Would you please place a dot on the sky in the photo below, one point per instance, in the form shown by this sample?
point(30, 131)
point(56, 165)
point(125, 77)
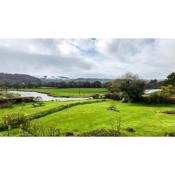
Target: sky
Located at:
point(88, 58)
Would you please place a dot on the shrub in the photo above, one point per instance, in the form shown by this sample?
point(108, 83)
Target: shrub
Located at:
point(14, 119)
point(130, 129)
point(38, 129)
point(156, 98)
point(167, 91)
point(6, 105)
point(170, 134)
point(114, 96)
point(38, 102)
point(96, 96)
point(69, 134)
point(101, 133)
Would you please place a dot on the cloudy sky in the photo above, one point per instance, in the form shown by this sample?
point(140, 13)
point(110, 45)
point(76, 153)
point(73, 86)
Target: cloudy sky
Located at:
point(101, 58)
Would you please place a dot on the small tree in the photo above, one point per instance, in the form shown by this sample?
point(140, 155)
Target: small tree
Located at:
point(118, 116)
point(38, 102)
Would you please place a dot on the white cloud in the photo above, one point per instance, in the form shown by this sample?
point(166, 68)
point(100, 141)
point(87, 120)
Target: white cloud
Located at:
point(108, 58)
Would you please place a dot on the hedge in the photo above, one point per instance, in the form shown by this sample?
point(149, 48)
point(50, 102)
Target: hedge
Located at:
point(4, 127)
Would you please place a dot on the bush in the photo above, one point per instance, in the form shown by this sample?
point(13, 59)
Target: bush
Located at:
point(156, 98)
point(68, 134)
point(96, 96)
point(6, 105)
point(38, 129)
point(101, 133)
point(130, 129)
point(38, 102)
point(14, 119)
point(114, 96)
point(170, 134)
point(17, 100)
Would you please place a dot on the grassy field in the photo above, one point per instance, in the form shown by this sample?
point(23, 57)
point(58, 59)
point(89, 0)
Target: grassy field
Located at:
point(69, 92)
point(28, 109)
point(146, 120)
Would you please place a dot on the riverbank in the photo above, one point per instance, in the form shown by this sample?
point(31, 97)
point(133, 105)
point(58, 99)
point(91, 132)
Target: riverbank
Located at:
point(68, 92)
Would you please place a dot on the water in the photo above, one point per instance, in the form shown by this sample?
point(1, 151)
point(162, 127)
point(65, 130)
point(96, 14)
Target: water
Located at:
point(150, 91)
point(45, 97)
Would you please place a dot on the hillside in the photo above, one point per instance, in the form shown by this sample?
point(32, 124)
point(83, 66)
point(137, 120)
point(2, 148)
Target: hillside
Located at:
point(17, 78)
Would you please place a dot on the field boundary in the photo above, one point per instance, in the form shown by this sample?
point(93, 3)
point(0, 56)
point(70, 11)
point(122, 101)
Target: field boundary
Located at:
point(4, 127)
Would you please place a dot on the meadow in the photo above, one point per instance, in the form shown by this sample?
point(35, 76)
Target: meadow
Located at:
point(136, 119)
point(68, 92)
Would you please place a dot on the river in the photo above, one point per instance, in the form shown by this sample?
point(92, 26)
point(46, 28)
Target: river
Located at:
point(45, 97)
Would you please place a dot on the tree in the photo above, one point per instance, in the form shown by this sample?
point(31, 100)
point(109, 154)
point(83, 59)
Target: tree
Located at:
point(134, 89)
point(171, 79)
point(97, 84)
point(131, 87)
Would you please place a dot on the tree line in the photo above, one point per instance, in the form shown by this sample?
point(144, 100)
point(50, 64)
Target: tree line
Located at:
point(60, 84)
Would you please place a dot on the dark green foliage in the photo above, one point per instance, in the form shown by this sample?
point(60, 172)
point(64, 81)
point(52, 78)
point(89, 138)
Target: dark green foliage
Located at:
point(170, 134)
point(102, 133)
point(130, 86)
point(134, 89)
point(114, 96)
point(170, 79)
point(69, 134)
point(130, 129)
point(157, 98)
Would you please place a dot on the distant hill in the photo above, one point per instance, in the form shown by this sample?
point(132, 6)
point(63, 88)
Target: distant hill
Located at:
point(91, 80)
point(67, 79)
point(17, 78)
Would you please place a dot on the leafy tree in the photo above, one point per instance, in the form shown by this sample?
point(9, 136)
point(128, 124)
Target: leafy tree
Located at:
point(171, 79)
point(134, 89)
point(131, 86)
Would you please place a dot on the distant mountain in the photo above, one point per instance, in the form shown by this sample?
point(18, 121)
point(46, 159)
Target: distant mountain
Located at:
point(67, 79)
point(17, 78)
point(91, 80)
point(51, 78)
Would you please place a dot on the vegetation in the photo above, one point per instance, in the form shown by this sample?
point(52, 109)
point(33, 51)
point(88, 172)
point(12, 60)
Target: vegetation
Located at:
point(145, 120)
point(130, 86)
point(170, 79)
point(149, 115)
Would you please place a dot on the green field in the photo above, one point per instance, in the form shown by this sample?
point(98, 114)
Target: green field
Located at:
point(146, 120)
point(69, 92)
point(29, 109)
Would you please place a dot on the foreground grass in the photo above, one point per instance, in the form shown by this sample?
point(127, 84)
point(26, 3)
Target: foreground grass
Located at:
point(146, 120)
point(69, 92)
point(28, 109)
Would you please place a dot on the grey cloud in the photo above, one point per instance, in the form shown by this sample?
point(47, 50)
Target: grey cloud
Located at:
point(73, 57)
point(20, 62)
